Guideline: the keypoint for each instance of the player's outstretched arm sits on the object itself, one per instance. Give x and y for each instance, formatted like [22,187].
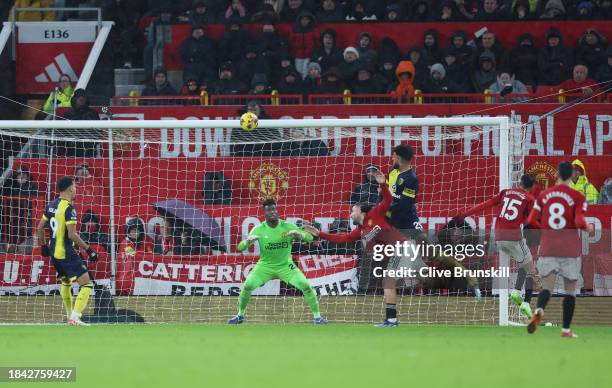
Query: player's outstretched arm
[301,235]
[481,206]
[337,238]
[534,217]
[244,244]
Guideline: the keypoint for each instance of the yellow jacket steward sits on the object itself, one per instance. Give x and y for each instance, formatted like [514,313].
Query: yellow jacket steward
[582,184]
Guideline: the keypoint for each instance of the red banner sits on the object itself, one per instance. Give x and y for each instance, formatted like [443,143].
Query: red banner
[405,34]
[584,129]
[46,50]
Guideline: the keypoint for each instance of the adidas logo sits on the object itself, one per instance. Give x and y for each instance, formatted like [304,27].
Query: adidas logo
[52,73]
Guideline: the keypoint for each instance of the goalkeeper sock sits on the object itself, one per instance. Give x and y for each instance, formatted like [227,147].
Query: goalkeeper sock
[313,303]
[66,293]
[543,298]
[528,288]
[391,312]
[82,298]
[243,301]
[569,303]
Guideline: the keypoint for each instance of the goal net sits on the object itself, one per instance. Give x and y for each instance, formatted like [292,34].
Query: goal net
[165,203]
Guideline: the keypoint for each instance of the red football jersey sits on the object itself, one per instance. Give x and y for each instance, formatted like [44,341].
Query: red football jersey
[515,207]
[375,229]
[559,212]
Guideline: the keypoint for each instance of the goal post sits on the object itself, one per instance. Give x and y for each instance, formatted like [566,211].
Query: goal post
[151,175]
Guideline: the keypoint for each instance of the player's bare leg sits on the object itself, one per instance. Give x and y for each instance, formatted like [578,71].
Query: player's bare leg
[569,304]
[81,300]
[548,283]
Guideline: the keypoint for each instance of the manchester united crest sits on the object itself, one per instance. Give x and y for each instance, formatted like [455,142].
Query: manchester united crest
[545,174]
[269,181]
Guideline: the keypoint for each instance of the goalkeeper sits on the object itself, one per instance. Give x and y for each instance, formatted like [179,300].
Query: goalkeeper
[275,238]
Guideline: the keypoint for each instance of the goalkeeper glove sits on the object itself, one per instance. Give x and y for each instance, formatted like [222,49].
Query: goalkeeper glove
[45,251]
[93,256]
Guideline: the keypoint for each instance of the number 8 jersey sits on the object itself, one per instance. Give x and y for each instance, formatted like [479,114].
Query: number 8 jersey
[560,211]
[58,214]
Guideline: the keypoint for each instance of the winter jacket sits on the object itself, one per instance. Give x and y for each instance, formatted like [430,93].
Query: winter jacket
[482,79]
[554,63]
[517,88]
[326,59]
[592,55]
[582,184]
[403,87]
[524,61]
[303,40]
[62,97]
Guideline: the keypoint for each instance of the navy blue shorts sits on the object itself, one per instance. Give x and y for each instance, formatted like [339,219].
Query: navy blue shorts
[72,266]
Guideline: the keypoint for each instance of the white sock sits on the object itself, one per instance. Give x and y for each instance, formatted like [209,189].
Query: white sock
[393,320]
[75,315]
[565,330]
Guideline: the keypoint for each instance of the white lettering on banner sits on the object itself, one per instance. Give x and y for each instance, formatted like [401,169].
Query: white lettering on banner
[11,270]
[145,286]
[57,32]
[341,283]
[214,142]
[316,262]
[600,138]
[583,127]
[37,266]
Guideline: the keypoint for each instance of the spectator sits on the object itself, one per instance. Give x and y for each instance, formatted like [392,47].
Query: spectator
[351,63]
[431,53]
[16,213]
[448,12]
[270,45]
[312,82]
[524,60]
[403,87]
[302,144]
[467,11]
[217,189]
[126,39]
[227,84]
[90,231]
[388,50]
[330,12]
[199,55]
[604,72]
[554,60]
[464,53]
[159,87]
[80,107]
[135,241]
[455,72]
[163,241]
[488,42]
[61,95]
[605,193]
[189,243]
[605,10]
[359,11]
[584,10]
[490,11]
[581,183]
[580,82]
[551,9]
[250,64]
[327,54]
[437,82]
[286,61]
[507,84]
[291,82]
[332,82]
[367,82]
[234,41]
[191,88]
[235,12]
[365,48]
[420,11]
[266,13]
[291,10]
[303,41]
[522,10]
[23,16]
[394,13]
[20,184]
[260,85]
[91,188]
[591,50]
[486,73]
[200,14]
[367,191]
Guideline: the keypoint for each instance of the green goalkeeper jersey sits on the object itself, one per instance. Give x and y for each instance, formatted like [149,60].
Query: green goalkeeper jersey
[274,243]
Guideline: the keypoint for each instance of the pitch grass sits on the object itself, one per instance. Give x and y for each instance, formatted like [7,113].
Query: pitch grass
[293,356]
